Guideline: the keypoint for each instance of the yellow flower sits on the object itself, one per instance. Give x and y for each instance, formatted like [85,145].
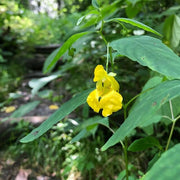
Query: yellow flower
[105,96]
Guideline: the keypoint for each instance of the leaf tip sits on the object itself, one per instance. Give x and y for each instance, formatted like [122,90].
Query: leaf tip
[104,148]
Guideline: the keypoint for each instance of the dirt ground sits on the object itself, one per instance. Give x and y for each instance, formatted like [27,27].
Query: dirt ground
[13,169]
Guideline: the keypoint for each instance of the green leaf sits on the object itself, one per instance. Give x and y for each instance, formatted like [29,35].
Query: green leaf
[95,4]
[49,59]
[63,111]
[24,109]
[135,23]
[37,84]
[146,108]
[55,56]
[144,143]
[110,9]
[86,126]
[2,60]
[150,52]
[165,110]
[176,32]
[171,11]
[89,19]
[121,175]
[167,28]
[133,2]
[82,134]
[93,121]
[133,9]
[80,20]
[167,166]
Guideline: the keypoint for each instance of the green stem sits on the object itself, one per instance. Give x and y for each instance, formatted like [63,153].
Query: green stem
[177,118]
[125,147]
[126,158]
[171,108]
[101,34]
[172,127]
[170,135]
[113,133]
[131,100]
[107,61]
[111,58]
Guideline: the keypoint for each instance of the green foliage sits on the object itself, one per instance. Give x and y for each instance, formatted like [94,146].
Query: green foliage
[9,80]
[154,104]
[134,23]
[65,109]
[52,152]
[144,143]
[55,56]
[88,127]
[95,4]
[171,30]
[168,163]
[162,60]
[24,109]
[151,102]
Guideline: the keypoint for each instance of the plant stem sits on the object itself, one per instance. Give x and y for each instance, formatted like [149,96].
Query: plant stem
[170,135]
[125,147]
[171,108]
[126,158]
[107,61]
[111,58]
[101,34]
[172,127]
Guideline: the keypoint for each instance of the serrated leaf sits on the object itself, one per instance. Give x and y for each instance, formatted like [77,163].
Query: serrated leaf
[145,110]
[144,143]
[150,52]
[134,23]
[63,111]
[55,56]
[166,167]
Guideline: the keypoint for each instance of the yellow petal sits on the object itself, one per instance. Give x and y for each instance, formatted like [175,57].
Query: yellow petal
[114,83]
[93,101]
[111,102]
[99,73]
[10,109]
[53,107]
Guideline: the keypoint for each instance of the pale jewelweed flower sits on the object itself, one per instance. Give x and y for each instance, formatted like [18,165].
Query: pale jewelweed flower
[106,95]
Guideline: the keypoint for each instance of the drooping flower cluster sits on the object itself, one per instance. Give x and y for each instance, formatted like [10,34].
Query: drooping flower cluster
[106,95]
